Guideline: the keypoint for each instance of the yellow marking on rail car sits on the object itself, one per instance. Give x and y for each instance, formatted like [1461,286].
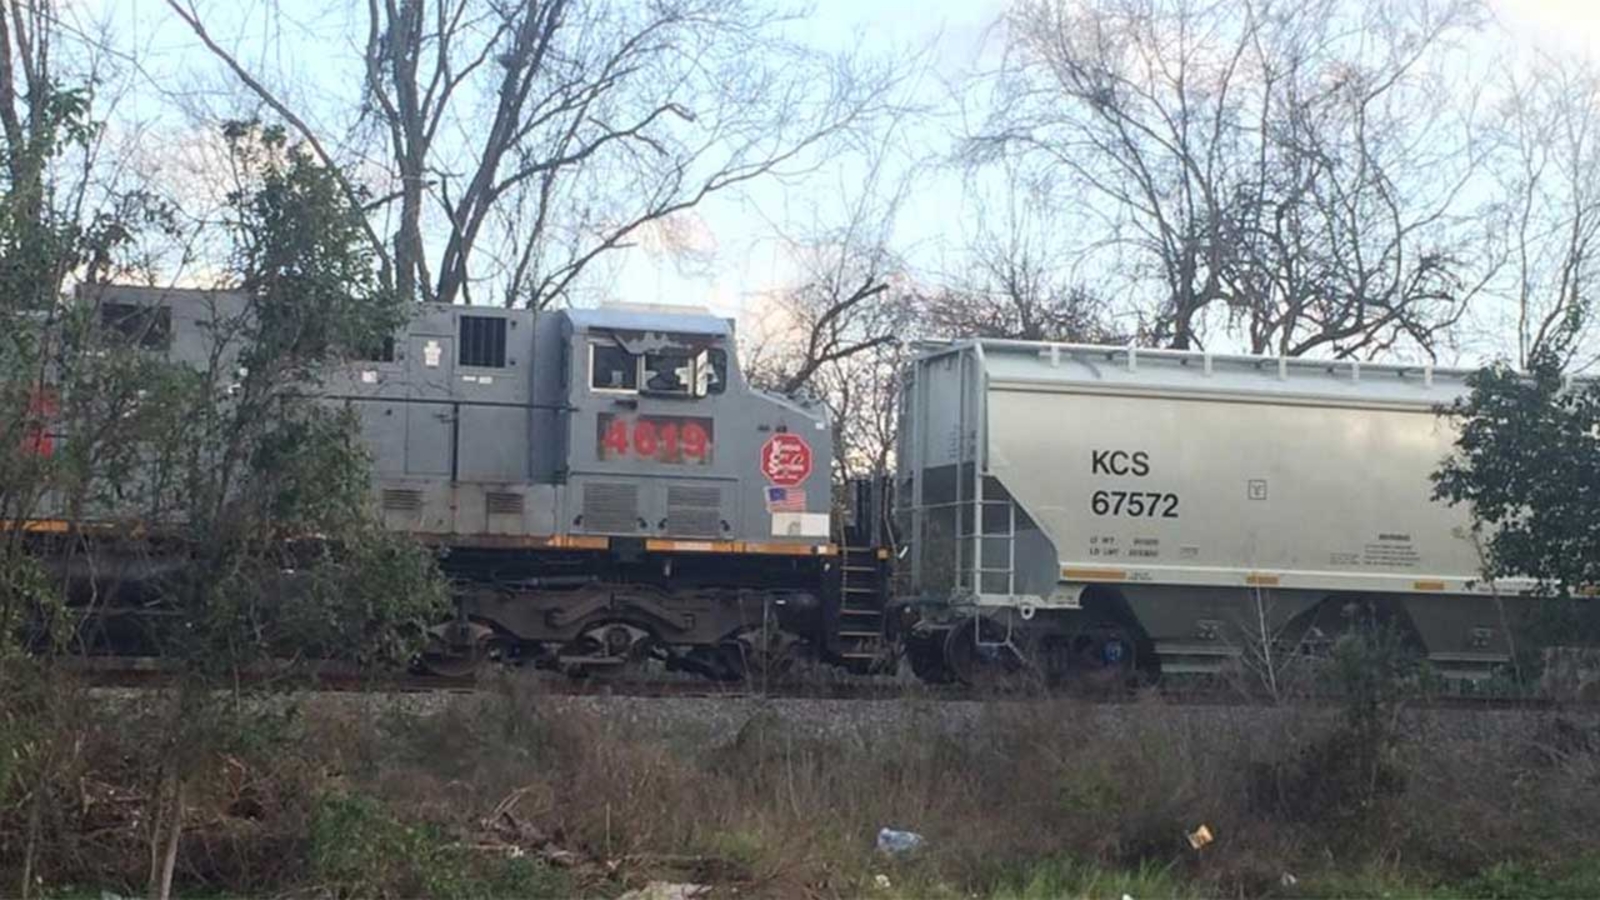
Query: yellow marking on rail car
[516,541]
[1094,574]
[660,545]
[1427,585]
[789,549]
[600,542]
[133,529]
[40,526]
[1256,579]
[580,542]
[655,545]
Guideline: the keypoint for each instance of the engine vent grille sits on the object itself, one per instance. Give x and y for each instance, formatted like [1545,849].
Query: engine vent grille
[402,499]
[503,503]
[611,508]
[694,510]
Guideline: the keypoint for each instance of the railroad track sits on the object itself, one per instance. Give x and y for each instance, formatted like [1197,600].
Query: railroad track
[153,673]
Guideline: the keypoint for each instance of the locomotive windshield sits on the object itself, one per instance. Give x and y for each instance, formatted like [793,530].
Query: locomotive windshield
[683,372]
[148,327]
[668,373]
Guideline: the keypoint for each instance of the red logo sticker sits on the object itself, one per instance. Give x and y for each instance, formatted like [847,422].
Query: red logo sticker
[37,439]
[786,459]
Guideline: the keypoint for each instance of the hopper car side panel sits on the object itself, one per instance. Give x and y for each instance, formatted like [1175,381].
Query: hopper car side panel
[1192,500]
[1234,492]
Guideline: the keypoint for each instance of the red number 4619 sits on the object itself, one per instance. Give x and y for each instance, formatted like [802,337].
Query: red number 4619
[668,439]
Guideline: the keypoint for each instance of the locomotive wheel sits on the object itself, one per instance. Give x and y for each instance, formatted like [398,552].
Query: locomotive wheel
[758,653]
[613,649]
[453,655]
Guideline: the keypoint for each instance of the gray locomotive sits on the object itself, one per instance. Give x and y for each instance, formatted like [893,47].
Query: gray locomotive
[604,486]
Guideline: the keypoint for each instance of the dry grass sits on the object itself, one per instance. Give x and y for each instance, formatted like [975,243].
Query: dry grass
[510,793]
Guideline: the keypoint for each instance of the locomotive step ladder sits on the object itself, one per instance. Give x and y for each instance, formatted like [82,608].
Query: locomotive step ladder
[861,590]
[859,641]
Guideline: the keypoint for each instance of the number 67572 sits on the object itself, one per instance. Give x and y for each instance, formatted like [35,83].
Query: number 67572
[1134,504]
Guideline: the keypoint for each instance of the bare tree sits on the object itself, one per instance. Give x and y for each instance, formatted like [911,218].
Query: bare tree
[41,114]
[1018,281]
[1550,176]
[1347,235]
[1290,170]
[537,137]
[837,338]
[839,331]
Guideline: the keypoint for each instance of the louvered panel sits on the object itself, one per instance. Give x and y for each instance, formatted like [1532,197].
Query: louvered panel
[402,499]
[610,508]
[694,510]
[503,503]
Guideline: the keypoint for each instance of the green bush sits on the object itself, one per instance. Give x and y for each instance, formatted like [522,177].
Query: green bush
[358,849]
[1522,881]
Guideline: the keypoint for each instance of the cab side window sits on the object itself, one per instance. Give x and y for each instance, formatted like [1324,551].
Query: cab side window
[612,368]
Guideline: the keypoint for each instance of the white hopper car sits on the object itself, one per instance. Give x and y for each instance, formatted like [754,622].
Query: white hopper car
[1078,508]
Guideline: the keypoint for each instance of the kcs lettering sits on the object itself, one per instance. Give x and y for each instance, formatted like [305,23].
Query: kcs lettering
[1120,462]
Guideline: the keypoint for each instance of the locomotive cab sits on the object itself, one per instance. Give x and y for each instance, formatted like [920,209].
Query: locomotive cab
[666,440]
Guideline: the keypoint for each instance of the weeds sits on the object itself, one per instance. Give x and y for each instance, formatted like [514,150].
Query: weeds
[359,849]
[1072,879]
[509,793]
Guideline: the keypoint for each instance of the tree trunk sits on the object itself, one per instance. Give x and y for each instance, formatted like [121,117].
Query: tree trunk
[35,821]
[164,859]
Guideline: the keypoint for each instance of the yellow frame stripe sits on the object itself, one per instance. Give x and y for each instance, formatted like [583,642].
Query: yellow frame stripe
[528,541]
[665,545]
[37,526]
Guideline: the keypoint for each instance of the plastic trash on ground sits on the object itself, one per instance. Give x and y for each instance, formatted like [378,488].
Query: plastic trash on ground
[895,842]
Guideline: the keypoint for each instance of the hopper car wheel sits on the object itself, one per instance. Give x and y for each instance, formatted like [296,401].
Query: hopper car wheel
[925,652]
[1105,653]
[983,652]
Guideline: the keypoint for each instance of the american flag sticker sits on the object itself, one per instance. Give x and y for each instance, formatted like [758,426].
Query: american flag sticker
[786,499]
